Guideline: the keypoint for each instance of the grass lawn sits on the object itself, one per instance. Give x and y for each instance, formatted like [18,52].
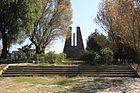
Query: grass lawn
[52,80]
[1,68]
[55,84]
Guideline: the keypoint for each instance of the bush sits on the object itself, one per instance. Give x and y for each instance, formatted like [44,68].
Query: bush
[59,57]
[50,57]
[106,56]
[88,57]
[91,57]
[39,58]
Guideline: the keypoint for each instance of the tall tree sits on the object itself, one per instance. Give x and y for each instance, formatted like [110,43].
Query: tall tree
[49,21]
[96,42]
[10,23]
[121,19]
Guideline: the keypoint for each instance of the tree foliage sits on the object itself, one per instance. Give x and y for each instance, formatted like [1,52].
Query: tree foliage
[41,20]
[121,19]
[98,51]
[50,20]
[10,23]
[106,56]
[96,42]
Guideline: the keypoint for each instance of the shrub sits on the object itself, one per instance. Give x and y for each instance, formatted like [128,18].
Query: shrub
[91,57]
[88,57]
[39,58]
[59,57]
[50,57]
[106,56]
[97,59]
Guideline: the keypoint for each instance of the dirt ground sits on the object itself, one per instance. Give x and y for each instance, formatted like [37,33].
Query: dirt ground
[8,86]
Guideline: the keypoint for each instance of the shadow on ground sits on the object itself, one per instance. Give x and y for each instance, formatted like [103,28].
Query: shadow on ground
[99,84]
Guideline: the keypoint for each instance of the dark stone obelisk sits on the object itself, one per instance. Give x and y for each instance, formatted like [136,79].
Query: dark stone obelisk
[74,51]
[67,46]
[80,45]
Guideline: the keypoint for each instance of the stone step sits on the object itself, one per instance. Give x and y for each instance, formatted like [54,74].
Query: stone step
[102,66]
[87,75]
[68,72]
[107,71]
[60,70]
[65,67]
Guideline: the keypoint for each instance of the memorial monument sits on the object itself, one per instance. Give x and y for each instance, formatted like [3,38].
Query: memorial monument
[76,49]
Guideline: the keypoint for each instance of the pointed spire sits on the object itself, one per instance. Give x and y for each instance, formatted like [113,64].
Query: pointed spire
[67,41]
[79,38]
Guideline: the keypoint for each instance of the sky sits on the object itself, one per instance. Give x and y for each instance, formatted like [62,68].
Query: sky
[84,11]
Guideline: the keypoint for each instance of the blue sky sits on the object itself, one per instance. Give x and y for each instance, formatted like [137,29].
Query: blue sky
[84,11]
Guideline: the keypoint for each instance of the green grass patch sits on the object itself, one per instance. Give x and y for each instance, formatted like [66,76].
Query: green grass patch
[1,68]
[99,79]
[52,80]
[63,82]
[52,84]
[32,80]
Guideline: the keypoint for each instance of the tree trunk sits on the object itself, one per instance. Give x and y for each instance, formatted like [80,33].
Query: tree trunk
[5,45]
[40,50]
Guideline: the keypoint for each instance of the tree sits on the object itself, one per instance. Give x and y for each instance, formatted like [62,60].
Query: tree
[50,21]
[96,42]
[98,51]
[121,19]
[10,23]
